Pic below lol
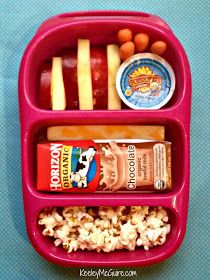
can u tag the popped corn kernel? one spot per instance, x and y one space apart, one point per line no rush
106 212
105 228
70 245
88 225
141 226
48 231
154 222
128 233
63 232
139 242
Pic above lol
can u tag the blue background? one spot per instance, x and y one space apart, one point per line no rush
18 22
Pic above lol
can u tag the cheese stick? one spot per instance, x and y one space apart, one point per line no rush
61 133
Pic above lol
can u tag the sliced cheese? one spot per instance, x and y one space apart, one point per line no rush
84 75
57 85
113 57
61 133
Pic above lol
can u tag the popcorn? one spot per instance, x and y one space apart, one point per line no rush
93 212
154 222
50 220
103 224
143 210
114 219
83 234
139 242
106 228
84 217
88 226
106 213
94 237
162 213
48 231
153 234
128 233
122 212
57 242
111 243
69 211
63 232
131 245
141 226
70 245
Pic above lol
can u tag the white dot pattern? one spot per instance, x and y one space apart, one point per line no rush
18 22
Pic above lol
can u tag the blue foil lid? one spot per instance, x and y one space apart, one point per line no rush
145 81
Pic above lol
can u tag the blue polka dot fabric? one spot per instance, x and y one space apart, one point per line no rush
19 21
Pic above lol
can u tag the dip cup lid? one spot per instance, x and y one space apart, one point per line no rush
145 81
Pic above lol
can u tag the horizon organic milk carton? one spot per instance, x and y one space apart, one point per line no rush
104 166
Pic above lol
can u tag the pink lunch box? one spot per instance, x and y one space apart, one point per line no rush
100 27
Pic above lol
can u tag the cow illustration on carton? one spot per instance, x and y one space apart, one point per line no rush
80 175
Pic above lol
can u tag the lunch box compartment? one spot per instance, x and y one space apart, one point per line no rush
45 243
173 131
54 41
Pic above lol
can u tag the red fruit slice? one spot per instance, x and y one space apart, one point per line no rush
69 65
45 86
99 75
99 79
